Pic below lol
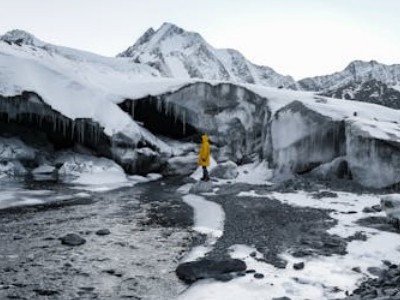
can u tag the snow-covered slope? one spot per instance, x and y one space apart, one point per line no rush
182 54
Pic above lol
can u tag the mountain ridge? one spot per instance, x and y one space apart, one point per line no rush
176 52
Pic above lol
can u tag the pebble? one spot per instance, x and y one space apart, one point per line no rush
103 231
298 266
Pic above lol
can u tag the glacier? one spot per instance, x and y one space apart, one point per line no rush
128 112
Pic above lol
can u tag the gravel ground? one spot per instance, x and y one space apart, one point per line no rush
273 227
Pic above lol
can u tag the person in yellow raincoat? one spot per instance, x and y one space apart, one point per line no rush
204 156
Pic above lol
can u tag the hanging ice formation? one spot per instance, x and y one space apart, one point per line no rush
29 110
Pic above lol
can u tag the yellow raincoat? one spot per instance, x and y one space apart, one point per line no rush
204 155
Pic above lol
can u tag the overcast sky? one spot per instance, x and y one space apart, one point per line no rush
295 37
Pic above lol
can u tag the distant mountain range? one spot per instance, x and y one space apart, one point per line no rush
171 51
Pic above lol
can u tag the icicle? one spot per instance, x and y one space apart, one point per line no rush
159 105
133 109
176 112
72 130
184 122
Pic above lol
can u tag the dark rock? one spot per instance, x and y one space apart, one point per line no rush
377 208
298 266
45 292
258 275
368 210
356 269
375 271
302 253
350 212
280 264
189 272
324 194
72 239
17 237
250 271
358 236
281 298
103 232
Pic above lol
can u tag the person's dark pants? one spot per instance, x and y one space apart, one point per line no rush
205 174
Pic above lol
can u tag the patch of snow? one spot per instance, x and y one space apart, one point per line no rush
209 219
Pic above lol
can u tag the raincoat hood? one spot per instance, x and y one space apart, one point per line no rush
204 138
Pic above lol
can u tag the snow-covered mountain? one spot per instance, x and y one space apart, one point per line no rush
182 54
363 81
356 71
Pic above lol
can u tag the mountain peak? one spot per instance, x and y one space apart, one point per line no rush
178 53
18 36
145 37
357 64
166 26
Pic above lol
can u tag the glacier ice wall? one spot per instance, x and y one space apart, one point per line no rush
373 162
233 116
302 139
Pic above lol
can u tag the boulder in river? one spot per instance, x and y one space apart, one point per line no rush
72 239
189 272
